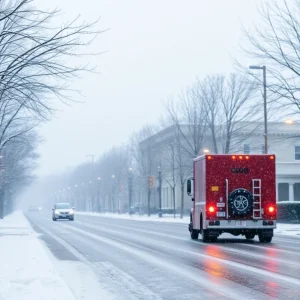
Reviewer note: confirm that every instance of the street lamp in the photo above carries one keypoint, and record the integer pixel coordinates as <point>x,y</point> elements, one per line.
<point>83,204</point>
<point>205,150</point>
<point>75,196</point>
<point>130,189</point>
<point>264,69</point>
<point>98,194</point>
<point>159,190</point>
<point>289,121</point>
<point>113,193</point>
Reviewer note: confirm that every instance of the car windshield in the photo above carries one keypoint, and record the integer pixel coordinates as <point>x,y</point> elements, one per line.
<point>62,205</point>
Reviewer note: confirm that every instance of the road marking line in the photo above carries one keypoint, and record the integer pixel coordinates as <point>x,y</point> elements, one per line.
<point>134,287</point>
<point>194,242</point>
<point>219,286</point>
<point>231,263</point>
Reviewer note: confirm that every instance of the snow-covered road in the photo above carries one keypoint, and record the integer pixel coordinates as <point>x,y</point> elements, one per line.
<point>134,259</point>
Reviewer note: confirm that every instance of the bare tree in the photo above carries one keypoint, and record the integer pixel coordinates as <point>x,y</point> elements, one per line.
<point>189,120</point>
<point>143,149</point>
<point>18,160</point>
<point>230,104</point>
<point>169,157</point>
<point>35,61</point>
<point>276,43</point>
<point>189,117</point>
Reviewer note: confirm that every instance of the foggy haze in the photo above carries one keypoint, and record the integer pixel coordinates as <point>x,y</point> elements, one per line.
<point>152,50</point>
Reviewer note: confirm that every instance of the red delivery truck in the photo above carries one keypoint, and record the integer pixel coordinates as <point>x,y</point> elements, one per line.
<point>233,194</point>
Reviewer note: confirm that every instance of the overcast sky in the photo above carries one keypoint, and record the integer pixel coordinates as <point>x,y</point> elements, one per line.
<point>154,49</point>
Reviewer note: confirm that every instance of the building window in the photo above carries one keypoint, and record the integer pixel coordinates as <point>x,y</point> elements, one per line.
<point>263,149</point>
<point>297,191</point>
<point>283,192</point>
<point>247,149</point>
<point>297,152</point>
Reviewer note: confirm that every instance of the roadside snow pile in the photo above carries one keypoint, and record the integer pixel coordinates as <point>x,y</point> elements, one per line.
<point>155,218</point>
<point>288,229</point>
<point>27,271</point>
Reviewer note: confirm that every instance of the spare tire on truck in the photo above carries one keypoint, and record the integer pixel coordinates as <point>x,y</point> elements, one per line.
<point>240,202</point>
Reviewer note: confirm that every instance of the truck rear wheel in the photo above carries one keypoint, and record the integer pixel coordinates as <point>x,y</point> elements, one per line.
<point>265,235</point>
<point>265,239</point>
<point>194,234</point>
<point>205,236</point>
<point>250,236</point>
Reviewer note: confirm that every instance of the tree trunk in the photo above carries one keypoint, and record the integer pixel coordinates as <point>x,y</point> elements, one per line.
<point>148,201</point>
<point>174,202</point>
<point>1,204</point>
<point>182,201</point>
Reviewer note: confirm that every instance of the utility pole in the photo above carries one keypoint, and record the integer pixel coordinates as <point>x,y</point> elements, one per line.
<point>265,109</point>
<point>264,69</point>
<point>159,190</point>
<point>130,189</point>
<point>99,206</point>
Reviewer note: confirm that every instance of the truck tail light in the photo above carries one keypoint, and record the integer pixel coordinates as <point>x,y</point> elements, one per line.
<point>271,209</point>
<point>211,209</point>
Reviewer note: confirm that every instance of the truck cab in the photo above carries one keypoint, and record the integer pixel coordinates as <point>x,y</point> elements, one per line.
<point>233,194</point>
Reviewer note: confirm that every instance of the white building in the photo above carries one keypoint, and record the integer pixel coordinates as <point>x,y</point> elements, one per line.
<point>283,141</point>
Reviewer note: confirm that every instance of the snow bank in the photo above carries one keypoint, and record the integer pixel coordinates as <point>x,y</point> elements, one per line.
<point>288,229</point>
<point>285,229</point>
<point>27,272</point>
<point>164,218</point>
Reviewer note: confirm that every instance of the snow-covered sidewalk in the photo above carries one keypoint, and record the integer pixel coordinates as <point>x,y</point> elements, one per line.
<point>284,229</point>
<point>27,271</point>
<point>288,229</point>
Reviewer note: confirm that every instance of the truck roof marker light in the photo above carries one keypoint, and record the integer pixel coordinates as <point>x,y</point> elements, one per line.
<point>271,157</point>
<point>247,157</point>
<point>240,157</point>
<point>209,157</point>
<point>211,209</point>
<point>233,157</point>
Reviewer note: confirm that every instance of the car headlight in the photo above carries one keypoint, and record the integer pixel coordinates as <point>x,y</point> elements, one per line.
<point>71,212</point>
<point>56,212</point>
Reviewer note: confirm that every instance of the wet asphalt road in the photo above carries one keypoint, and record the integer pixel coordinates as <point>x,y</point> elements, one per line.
<point>155,260</point>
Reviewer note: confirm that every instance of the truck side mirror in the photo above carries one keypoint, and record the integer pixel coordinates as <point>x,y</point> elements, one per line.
<point>189,187</point>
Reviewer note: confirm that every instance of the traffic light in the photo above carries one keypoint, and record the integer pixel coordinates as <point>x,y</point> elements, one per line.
<point>151,181</point>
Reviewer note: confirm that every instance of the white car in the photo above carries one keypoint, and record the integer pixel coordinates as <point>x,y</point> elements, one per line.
<point>63,211</point>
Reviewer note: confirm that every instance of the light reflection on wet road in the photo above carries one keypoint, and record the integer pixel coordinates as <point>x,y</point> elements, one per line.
<point>163,259</point>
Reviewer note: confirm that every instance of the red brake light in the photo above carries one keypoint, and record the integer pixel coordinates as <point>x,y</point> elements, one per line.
<point>211,209</point>
<point>271,209</point>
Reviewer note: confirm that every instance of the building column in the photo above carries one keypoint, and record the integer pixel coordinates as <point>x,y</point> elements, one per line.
<point>291,192</point>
